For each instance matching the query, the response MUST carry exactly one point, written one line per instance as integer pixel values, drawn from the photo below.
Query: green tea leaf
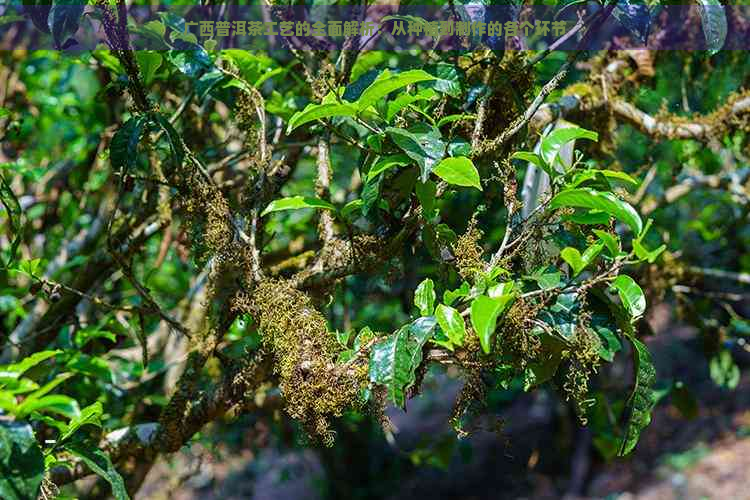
(21, 462)
(359, 84)
(363, 338)
(319, 112)
(63, 20)
(724, 372)
(123, 150)
(49, 386)
(371, 194)
(13, 214)
(452, 324)
(606, 202)
(424, 297)
(296, 202)
(149, 62)
(484, 314)
(420, 331)
(555, 140)
(92, 366)
(642, 399)
(426, 192)
(153, 33)
(591, 217)
(604, 327)
(55, 403)
(390, 364)
(546, 278)
(536, 160)
(459, 147)
(578, 262)
(173, 138)
(501, 289)
(17, 386)
(592, 174)
(8, 402)
(254, 66)
(458, 171)
(189, 57)
(89, 333)
(455, 118)
(386, 163)
(644, 253)
(98, 461)
(562, 316)
(450, 296)
(352, 207)
(530, 157)
(714, 21)
(630, 294)
(405, 100)
(610, 241)
(15, 370)
(544, 368)
(91, 415)
(448, 80)
(424, 145)
(387, 82)
(573, 257)
(634, 16)
(393, 361)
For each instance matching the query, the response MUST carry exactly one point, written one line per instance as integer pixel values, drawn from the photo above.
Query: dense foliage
(194, 235)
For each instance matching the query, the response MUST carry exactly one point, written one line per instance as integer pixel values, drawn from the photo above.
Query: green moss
(248, 121)
(516, 342)
(313, 386)
(207, 214)
(584, 361)
(468, 251)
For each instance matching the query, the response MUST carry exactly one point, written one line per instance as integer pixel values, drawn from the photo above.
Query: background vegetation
(244, 250)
